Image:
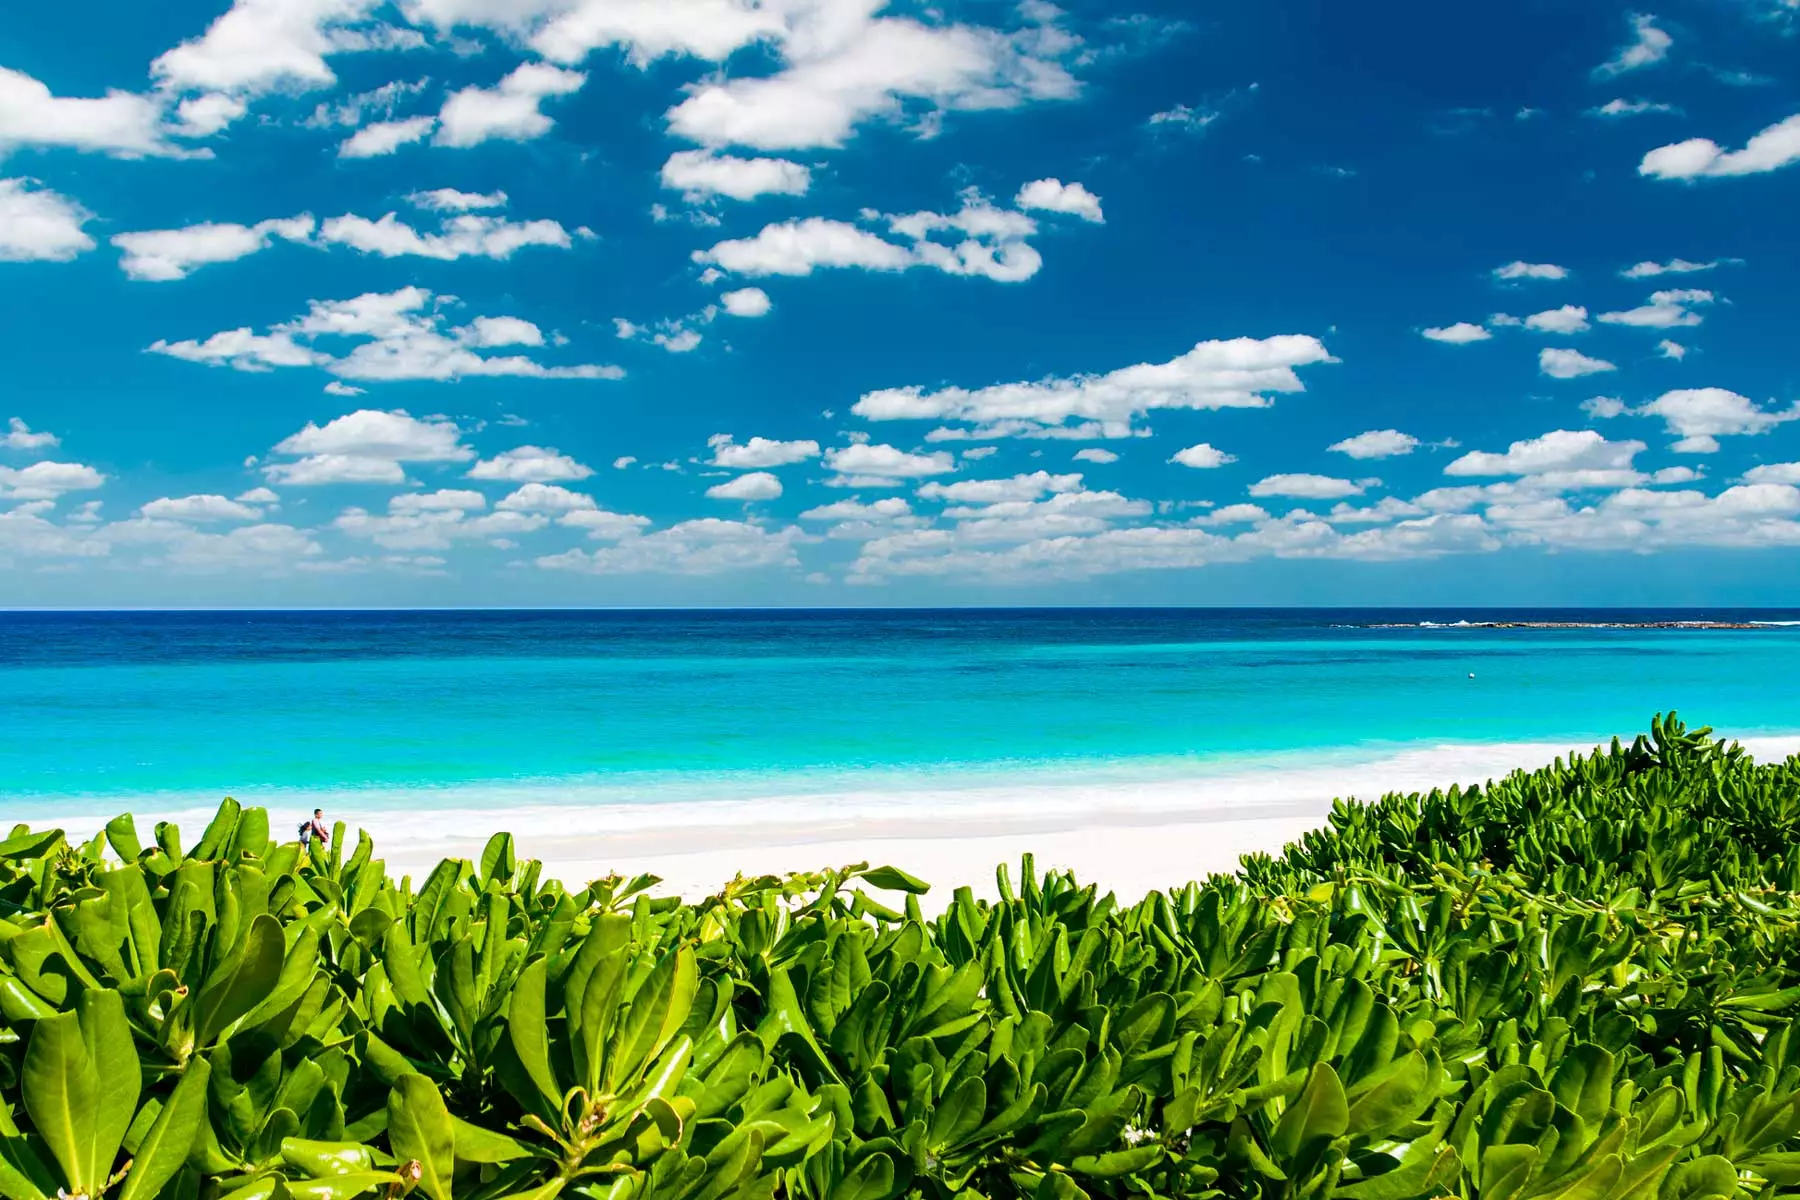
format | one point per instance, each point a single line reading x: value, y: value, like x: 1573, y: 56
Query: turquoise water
x: 401, y: 709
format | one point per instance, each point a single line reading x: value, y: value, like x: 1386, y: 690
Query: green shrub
x: 1577, y: 983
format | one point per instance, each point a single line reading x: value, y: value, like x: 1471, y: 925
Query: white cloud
x: 201, y: 508
x: 1520, y: 269
x: 1700, y: 415
x: 1775, y: 147
x: 509, y: 111
x: 334, y: 388
x: 699, y: 174
x: 1306, y: 487
x: 1018, y: 489
x: 1666, y: 310
x: 451, y: 200
x: 1649, y: 45
x: 758, y: 485
x: 353, y: 110
x: 47, y: 480
x: 442, y: 500
x: 371, y: 433
x: 867, y: 464
x: 703, y: 547
x: 1459, y: 334
x: 39, y: 225
x: 257, y: 495
x: 385, y: 137
x: 982, y: 240
x: 546, y: 498
x: 1570, y: 318
x: 623, y: 461
x: 746, y: 302
x: 798, y: 247
x: 1561, y: 450
x: 1240, y: 373
x: 530, y: 464
x: 1621, y: 107
x: 1053, y: 195
x: 1787, y: 473
x: 678, y: 341
x: 603, y: 526
x: 20, y: 436
x: 436, y: 529
x: 488, y: 332
x: 320, y: 469
x: 401, y: 336
x: 467, y: 235
x: 1096, y: 454
x: 758, y: 452
x: 168, y: 254
x: 1377, y: 443
x: 122, y: 124
x: 1202, y: 457
x: 1675, y: 266
x: 1183, y: 117
x: 1671, y: 349
x: 844, y: 66
x: 203, y: 116
x: 262, y: 46
x: 1570, y: 364
x: 1604, y: 408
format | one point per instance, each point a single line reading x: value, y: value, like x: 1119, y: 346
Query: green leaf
x: 116, y: 1070
x: 893, y: 879
x: 242, y: 981
x: 61, y: 1092
x: 419, y: 1130
x: 340, y: 1187
x: 1392, y: 1097
x: 171, y: 1138
x: 1319, y: 1112
x: 871, y: 1179
x: 528, y: 1031
x: 477, y: 1145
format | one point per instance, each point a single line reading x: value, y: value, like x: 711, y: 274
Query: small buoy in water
x: 1471, y: 674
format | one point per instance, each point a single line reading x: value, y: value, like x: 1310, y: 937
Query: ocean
x: 745, y: 715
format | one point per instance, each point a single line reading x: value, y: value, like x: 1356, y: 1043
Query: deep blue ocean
x: 416, y: 709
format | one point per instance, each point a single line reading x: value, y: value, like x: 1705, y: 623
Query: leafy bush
x: 1576, y: 984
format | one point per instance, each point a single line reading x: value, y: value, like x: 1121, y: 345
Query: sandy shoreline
x: 1130, y: 836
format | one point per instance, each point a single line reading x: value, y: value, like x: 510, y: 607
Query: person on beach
x: 314, y: 829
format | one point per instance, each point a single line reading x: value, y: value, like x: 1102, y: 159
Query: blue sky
x: 835, y: 302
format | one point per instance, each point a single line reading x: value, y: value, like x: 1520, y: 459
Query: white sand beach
x: 1129, y: 837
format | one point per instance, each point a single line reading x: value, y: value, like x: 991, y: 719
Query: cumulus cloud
x: 1202, y: 456
x: 1621, y: 107
x: 545, y: 498
x: 202, y: 508
x: 1649, y: 45
x: 703, y: 547
x: 465, y: 235
x: 1671, y: 349
x: 979, y: 239
x: 1776, y: 147
x: 530, y: 464
x: 759, y: 452
x: 1570, y: 364
x: 436, y: 529
x: 1570, y: 318
x: 1239, y: 373
x: 167, y: 254
x: 120, y: 124
x: 442, y: 500
x: 385, y: 137
x: 1017, y: 489
x: 400, y: 335
x: 1519, y: 270
x: 1459, y: 334
x: 1096, y: 454
x: 452, y: 200
x: 1307, y: 487
x: 510, y: 111
x: 1784, y: 473
x: 20, y: 436
x: 1666, y: 310
x: 1377, y: 443
x: 746, y: 302
x: 47, y: 480
x: 1053, y: 195
x: 1560, y: 450
x: 365, y: 446
x: 261, y: 46
x: 39, y: 225
x: 868, y: 464
x: 1700, y: 416
x: 758, y: 485
x: 700, y: 174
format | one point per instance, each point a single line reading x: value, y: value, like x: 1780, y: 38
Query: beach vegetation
x: 1575, y: 983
